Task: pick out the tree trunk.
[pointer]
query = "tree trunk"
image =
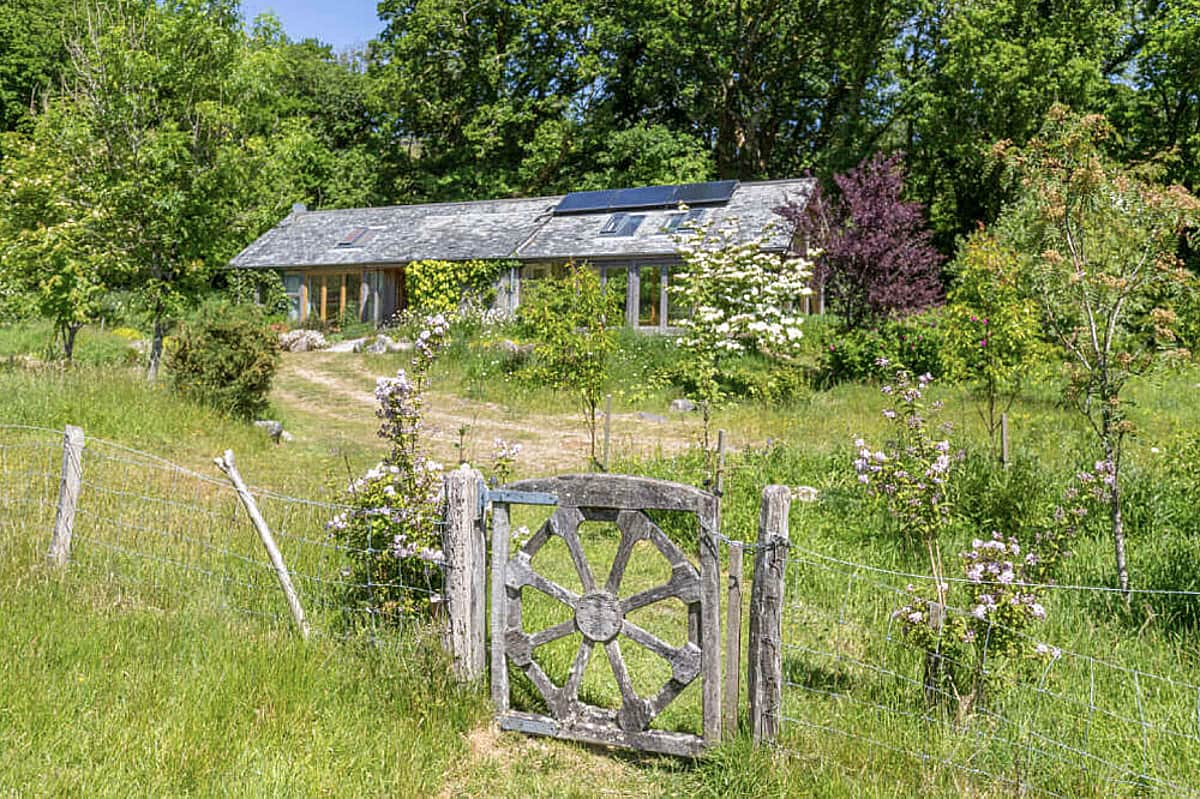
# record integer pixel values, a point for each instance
(156, 347)
(1118, 532)
(69, 341)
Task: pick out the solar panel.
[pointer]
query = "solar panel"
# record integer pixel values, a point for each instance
(584, 202)
(703, 193)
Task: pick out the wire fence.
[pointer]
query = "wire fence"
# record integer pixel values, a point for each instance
(161, 535)
(1047, 721)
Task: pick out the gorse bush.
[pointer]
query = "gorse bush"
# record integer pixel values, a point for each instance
(225, 358)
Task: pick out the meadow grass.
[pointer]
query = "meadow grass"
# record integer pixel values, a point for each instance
(116, 687)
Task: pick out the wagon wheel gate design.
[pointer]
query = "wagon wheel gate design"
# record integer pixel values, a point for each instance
(600, 612)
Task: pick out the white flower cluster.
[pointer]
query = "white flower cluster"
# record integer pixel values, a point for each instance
(739, 295)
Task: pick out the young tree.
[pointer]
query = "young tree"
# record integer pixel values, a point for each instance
(574, 319)
(876, 257)
(1100, 243)
(992, 325)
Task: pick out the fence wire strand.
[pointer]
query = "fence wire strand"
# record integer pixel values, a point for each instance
(166, 536)
(1069, 724)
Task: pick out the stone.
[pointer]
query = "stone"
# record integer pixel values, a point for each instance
(517, 351)
(683, 406)
(275, 430)
(349, 345)
(651, 417)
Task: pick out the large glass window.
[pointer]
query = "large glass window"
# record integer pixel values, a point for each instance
(617, 278)
(649, 301)
(291, 287)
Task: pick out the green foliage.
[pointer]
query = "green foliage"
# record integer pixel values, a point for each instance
(256, 286)
(444, 287)
(915, 343)
(573, 319)
(225, 358)
(991, 324)
(391, 531)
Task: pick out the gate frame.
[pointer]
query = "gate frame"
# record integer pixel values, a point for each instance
(616, 493)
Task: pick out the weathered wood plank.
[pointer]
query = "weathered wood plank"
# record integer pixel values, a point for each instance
(466, 574)
(710, 624)
(765, 672)
(227, 465)
(68, 495)
(733, 643)
(618, 491)
(668, 743)
(500, 540)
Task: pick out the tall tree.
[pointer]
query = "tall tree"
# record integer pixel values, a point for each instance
(1099, 241)
(973, 72)
(32, 56)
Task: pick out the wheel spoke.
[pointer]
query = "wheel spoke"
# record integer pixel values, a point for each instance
(571, 688)
(561, 630)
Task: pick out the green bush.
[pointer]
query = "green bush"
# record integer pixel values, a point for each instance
(914, 343)
(226, 359)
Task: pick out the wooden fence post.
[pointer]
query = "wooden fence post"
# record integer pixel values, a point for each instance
(68, 496)
(227, 465)
(765, 672)
(466, 577)
(733, 611)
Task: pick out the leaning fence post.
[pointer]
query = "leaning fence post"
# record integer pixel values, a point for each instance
(227, 465)
(464, 547)
(765, 672)
(68, 495)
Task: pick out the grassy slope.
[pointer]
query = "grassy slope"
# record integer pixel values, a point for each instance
(106, 695)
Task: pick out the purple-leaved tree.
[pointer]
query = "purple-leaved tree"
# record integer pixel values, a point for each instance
(876, 260)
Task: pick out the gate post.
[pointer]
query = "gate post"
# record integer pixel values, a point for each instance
(765, 669)
(463, 546)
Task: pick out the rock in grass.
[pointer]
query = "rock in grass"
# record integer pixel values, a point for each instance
(683, 406)
(274, 429)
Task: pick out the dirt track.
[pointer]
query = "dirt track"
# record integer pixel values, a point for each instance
(337, 389)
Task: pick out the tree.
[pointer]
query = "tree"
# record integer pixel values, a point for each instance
(876, 257)
(992, 325)
(574, 320)
(140, 161)
(1099, 240)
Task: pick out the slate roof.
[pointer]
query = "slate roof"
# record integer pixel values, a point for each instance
(525, 229)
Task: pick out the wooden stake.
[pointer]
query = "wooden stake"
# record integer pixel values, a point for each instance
(607, 427)
(500, 541)
(227, 465)
(1004, 439)
(765, 674)
(733, 643)
(68, 496)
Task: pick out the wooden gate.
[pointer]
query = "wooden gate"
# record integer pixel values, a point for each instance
(600, 612)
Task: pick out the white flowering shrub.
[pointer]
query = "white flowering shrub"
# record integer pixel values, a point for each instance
(392, 533)
(740, 297)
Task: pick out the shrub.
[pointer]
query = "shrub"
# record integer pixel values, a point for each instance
(391, 533)
(226, 359)
(914, 343)
(574, 319)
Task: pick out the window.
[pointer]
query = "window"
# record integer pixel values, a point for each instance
(292, 287)
(356, 237)
(622, 225)
(682, 220)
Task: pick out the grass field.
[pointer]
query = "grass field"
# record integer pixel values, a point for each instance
(112, 686)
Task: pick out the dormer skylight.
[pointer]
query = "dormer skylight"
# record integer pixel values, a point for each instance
(354, 237)
(622, 225)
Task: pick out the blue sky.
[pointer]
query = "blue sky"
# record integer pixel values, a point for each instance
(341, 23)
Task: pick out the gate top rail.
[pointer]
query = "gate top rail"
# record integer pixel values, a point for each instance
(617, 491)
